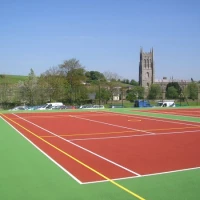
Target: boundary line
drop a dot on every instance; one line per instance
(146, 175)
(78, 161)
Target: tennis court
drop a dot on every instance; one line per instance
(109, 148)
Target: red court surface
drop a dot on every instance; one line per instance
(88, 145)
(192, 112)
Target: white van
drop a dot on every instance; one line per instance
(166, 103)
(48, 106)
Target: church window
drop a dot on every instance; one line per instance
(147, 84)
(144, 63)
(148, 63)
(147, 75)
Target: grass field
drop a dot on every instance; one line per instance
(12, 79)
(26, 173)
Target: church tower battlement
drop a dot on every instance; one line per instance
(146, 68)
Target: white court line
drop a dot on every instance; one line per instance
(172, 113)
(72, 176)
(91, 152)
(146, 175)
(130, 136)
(100, 122)
(140, 176)
(174, 121)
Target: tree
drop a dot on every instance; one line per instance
(81, 94)
(94, 76)
(29, 89)
(133, 82)
(131, 96)
(103, 94)
(172, 92)
(74, 73)
(139, 90)
(110, 76)
(5, 90)
(112, 88)
(136, 93)
(69, 65)
(126, 81)
(192, 90)
(154, 92)
(176, 91)
(52, 85)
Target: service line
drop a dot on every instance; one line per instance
(91, 152)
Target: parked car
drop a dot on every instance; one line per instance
(19, 108)
(33, 107)
(166, 103)
(48, 106)
(92, 107)
(58, 107)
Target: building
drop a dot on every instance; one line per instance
(147, 73)
(146, 69)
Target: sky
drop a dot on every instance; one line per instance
(104, 35)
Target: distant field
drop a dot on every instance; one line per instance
(11, 79)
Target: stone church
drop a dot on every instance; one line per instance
(146, 68)
(147, 73)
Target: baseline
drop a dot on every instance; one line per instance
(146, 175)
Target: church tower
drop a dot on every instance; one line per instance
(146, 69)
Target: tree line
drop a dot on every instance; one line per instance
(68, 82)
(71, 84)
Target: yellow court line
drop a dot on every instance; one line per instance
(95, 115)
(54, 116)
(41, 116)
(88, 134)
(134, 120)
(28, 117)
(165, 129)
(78, 161)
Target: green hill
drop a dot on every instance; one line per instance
(11, 79)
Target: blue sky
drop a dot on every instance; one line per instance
(104, 35)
